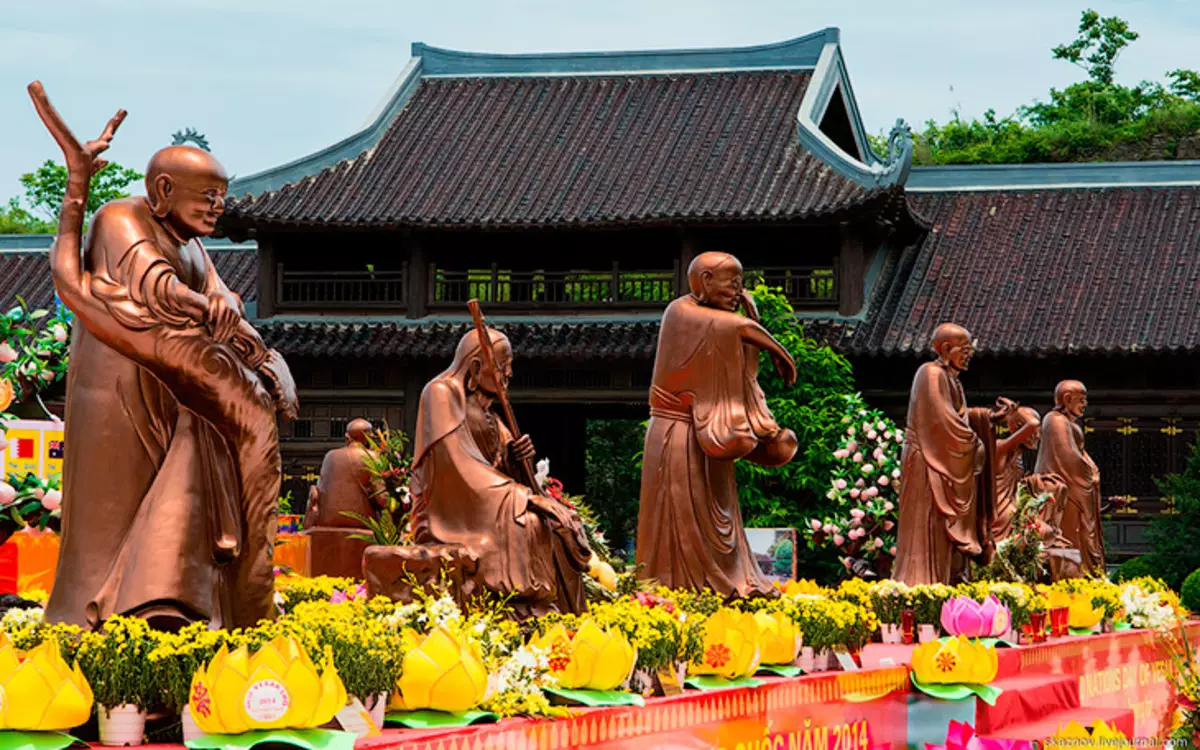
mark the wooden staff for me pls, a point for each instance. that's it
(489, 363)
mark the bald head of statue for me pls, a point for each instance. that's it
(952, 344)
(186, 188)
(357, 431)
(715, 280)
(1070, 396)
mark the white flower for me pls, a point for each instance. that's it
(872, 435)
(883, 481)
(543, 471)
(15, 619)
(59, 331)
(849, 430)
(895, 473)
(887, 435)
(881, 425)
(868, 469)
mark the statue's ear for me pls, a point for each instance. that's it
(160, 200)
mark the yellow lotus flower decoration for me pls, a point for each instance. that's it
(591, 659)
(1101, 736)
(278, 687)
(957, 661)
(779, 639)
(40, 693)
(1083, 616)
(444, 674)
(803, 587)
(730, 645)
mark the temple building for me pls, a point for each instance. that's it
(568, 192)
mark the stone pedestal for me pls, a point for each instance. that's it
(332, 552)
(395, 571)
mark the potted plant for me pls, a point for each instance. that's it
(116, 662)
(175, 661)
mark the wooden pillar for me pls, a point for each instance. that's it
(851, 270)
(417, 304)
(267, 279)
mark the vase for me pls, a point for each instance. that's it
(190, 730)
(891, 633)
(376, 706)
(121, 725)
(926, 633)
(806, 660)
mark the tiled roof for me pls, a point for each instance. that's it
(26, 273)
(575, 340)
(567, 150)
(1041, 272)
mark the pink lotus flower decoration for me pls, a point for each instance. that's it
(961, 736)
(966, 617)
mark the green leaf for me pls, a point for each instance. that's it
(307, 739)
(780, 669)
(596, 697)
(429, 719)
(10, 740)
(712, 682)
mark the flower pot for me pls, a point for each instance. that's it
(891, 633)
(1106, 625)
(926, 633)
(376, 706)
(190, 730)
(121, 725)
(824, 660)
(806, 660)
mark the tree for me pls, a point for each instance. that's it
(1172, 534)
(613, 478)
(16, 220)
(46, 187)
(1101, 40)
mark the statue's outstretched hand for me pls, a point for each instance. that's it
(786, 367)
(223, 317)
(81, 160)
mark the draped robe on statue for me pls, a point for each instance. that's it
(161, 517)
(706, 410)
(461, 495)
(1062, 453)
(943, 458)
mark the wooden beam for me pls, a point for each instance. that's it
(851, 270)
(266, 277)
(417, 293)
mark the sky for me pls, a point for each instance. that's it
(268, 81)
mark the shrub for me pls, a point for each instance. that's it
(1190, 593)
(1136, 567)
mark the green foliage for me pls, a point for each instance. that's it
(1172, 534)
(1135, 567)
(1189, 595)
(613, 477)
(788, 495)
(387, 463)
(16, 220)
(783, 558)
(1093, 120)
(34, 346)
(47, 185)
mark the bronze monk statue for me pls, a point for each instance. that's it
(345, 486)
(706, 411)
(1062, 453)
(464, 490)
(946, 468)
(1024, 430)
(171, 492)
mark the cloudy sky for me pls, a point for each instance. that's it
(271, 80)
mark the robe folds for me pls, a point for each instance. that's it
(706, 411)
(462, 496)
(1062, 453)
(172, 471)
(941, 465)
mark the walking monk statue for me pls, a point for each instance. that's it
(706, 411)
(947, 485)
(1062, 453)
(171, 487)
(465, 489)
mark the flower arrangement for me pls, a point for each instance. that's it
(1147, 609)
(866, 487)
(33, 352)
(927, 602)
(1186, 679)
(292, 590)
(116, 663)
(29, 502)
(1020, 557)
(387, 463)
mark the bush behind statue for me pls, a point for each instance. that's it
(1172, 534)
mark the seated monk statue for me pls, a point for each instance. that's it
(345, 486)
(464, 490)
(1062, 453)
(1062, 558)
(706, 411)
(947, 487)
(171, 491)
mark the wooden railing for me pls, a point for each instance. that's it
(803, 286)
(551, 289)
(341, 289)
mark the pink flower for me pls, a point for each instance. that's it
(855, 492)
(857, 513)
(846, 562)
(887, 525)
(878, 543)
(858, 458)
(868, 469)
(878, 454)
(360, 591)
(881, 425)
(839, 540)
(892, 551)
(895, 473)
(851, 446)
(888, 506)
(7, 353)
(60, 332)
(860, 484)
(887, 435)
(840, 484)
(841, 453)
(338, 597)
(871, 492)
(38, 493)
(850, 431)
(52, 500)
(8, 493)
(856, 533)
(816, 525)
(828, 528)
(872, 435)
(883, 481)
